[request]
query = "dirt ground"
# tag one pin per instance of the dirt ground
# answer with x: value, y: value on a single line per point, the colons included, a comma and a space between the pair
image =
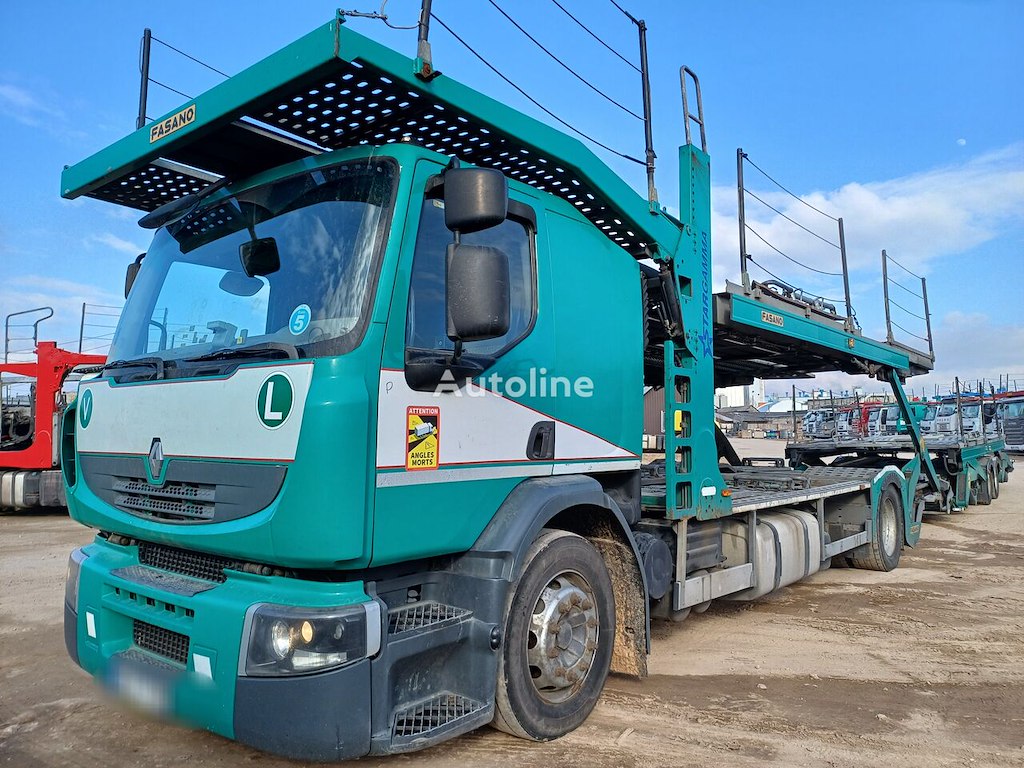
x: 923, y: 666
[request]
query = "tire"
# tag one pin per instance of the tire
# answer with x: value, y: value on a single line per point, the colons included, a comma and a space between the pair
x: 882, y: 553
x: 556, y: 651
x: 993, y: 479
x: 984, y: 492
x: 700, y: 607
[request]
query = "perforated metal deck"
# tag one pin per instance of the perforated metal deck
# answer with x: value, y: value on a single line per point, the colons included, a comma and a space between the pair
x: 757, y: 488
x: 334, y: 89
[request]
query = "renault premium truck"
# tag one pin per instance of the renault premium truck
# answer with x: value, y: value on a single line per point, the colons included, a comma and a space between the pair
x: 364, y: 464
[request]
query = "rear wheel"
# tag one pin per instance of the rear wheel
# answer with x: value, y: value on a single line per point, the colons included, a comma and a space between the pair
x: 984, y: 487
x: 882, y: 553
x: 559, y: 632
x: 700, y: 607
x: 993, y: 478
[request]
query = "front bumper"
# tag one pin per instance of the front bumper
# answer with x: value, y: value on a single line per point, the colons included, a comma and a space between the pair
x: 172, y: 646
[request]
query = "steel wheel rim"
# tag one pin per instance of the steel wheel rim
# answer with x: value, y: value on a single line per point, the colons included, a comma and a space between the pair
x: 563, y: 636
x: 887, y: 521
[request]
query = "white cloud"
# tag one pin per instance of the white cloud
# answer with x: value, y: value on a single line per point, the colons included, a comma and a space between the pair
x: 37, y: 109
x: 109, y: 240
x: 961, y: 142
x: 916, y: 218
x: 23, y: 106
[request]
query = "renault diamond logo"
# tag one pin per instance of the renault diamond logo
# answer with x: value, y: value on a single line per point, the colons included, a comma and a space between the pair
x: 156, y: 458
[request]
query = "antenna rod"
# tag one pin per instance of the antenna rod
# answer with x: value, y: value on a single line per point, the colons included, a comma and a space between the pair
x: 645, y: 79
x: 147, y: 37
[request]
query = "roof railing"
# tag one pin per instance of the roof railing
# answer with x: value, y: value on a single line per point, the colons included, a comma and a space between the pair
x: 34, y: 338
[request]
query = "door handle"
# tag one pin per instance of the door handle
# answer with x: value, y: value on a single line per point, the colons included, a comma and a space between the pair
x: 541, y: 444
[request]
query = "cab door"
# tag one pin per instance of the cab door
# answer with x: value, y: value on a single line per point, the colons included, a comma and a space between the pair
x: 451, y: 444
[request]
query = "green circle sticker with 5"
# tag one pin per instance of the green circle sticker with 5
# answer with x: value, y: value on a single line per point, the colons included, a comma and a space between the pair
x: 85, y: 408
x: 274, y: 401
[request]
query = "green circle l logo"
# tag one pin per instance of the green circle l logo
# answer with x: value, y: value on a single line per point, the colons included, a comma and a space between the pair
x: 274, y: 402
x: 85, y: 408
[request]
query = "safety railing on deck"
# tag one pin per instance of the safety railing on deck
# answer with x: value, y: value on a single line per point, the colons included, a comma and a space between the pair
x: 769, y: 250
x: 912, y: 316
x: 17, y: 339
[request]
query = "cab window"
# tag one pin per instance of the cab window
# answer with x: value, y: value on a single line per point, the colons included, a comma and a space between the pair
x: 426, y: 326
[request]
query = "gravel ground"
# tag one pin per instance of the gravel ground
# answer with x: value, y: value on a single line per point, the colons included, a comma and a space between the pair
x: 923, y: 666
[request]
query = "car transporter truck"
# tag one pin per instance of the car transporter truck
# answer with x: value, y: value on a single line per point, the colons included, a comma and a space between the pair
x: 365, y: 461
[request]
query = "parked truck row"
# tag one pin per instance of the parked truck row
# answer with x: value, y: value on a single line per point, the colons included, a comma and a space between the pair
x: 395, y: 492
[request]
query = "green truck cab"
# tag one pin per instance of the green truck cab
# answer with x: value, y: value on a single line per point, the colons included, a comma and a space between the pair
x: 365, y: 461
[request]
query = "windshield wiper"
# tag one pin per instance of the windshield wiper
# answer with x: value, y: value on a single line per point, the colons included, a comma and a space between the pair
x: 269, y: 350
x: 156, y: 363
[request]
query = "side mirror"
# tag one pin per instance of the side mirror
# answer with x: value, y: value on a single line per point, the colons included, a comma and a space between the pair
x: 477, y: 292
x: 474, y: 199
x: 259, y: 256
x: 131, y: 273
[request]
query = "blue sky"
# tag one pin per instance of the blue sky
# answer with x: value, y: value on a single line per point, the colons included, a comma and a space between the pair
x: 904, y: 118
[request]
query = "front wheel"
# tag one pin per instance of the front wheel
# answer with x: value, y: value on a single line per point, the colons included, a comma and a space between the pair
x: 559, y: 632
x: 882, y: 553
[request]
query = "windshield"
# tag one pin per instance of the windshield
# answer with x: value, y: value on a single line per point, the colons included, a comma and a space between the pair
x: 971, y: 411
x: 947, y: 410
x: 1015, y: 410
x: 873, y: 416
x: 929, y: 415
x: 311, y: 298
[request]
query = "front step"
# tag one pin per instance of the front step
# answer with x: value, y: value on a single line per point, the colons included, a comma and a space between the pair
x: 440, y: 717
x: 423, y: 616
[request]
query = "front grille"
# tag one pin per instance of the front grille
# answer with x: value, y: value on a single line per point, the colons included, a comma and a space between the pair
x: 441, y: 710
x: 171, y: 501
x: 194, y: 564
x: 162, y: 642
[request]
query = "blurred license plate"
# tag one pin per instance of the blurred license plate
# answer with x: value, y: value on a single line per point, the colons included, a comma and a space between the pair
x: 143, y: 686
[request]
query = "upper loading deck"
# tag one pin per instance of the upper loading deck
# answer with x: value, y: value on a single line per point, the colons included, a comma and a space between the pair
x: 334, y: 88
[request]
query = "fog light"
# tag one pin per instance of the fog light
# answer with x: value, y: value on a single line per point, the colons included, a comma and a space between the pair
x: 280, y: 639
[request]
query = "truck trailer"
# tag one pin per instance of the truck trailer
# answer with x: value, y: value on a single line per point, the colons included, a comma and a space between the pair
x: 386, y: 486
x: 32, y: 403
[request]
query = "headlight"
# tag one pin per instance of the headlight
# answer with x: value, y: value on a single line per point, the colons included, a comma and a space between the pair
x: 74, y: 573
x: 283, y: 640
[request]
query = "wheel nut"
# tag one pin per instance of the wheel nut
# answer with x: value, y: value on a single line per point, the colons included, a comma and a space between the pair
x: 553, y: 653
x: 559, y: 672
x: 586, y: 605
x: 574, y: 599
x: 592, y: 623
x: 572, y: 677
x: 564, y: 606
